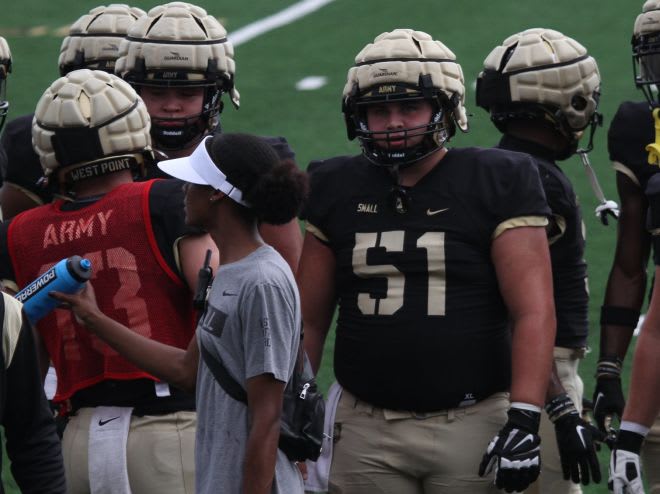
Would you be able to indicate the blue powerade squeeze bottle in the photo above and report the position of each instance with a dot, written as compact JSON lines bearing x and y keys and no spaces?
{"x":68,"y":276}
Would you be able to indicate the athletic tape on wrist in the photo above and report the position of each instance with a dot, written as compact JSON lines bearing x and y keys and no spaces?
{"x":635,"y":427}
{"x":559,"y":406}
{"x":609,"y":366}
{"x":525,"y":406}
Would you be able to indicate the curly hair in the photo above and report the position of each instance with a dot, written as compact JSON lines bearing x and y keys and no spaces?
{"x":274,"y":188}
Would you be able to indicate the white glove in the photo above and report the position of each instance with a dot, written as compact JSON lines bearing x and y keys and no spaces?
{"x":625,"y":473}
{"x":607,"y":208}
{"x":625,"y":469}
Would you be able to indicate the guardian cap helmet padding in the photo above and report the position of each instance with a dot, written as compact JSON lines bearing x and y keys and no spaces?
{"x":90,"y":123}
{"x":405,"y":65}
{"x":541,"y":74}
{"x":94,"y":39}
{"x":5,"y":69}
{"x":179,"y":44}
{"x":646,"y":50}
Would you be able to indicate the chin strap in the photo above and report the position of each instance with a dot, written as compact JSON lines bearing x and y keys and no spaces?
{"x":605,"y":207}
{"x":654,"y":147}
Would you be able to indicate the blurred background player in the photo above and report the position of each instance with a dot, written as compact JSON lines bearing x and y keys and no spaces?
{"x":5,"y":69}
{"x":538,"y":116}
{"x":426,"y":259}
{"x":32,"y":445}
{"x":179,"y":60}
{"x":92,"y":43}
{"x":631,"y":131}
{"x":91,"y":131}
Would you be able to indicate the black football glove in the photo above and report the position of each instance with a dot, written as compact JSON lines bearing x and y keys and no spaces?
{"x":625,"y":468}
{"x":515,"y":452}
{"x":576,"y":441}
{"x":608,"y":396}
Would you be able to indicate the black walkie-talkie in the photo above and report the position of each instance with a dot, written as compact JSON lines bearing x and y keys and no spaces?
{"x":204,"y":279}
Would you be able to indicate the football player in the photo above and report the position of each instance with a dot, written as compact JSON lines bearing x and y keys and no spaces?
{"x":92,"y":43}
{"x":179,"y":60}
{"x":643,"y":406}
{"x":518,"y":87}
{"x":427,"y":256}
{"x":91,"y":132}
{"x":631,"y":131}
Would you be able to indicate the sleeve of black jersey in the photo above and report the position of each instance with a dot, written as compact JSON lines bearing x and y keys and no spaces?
{"x":23,"y":165}
{"x":33,"y":447}
{"x":653,"y":218}
{"x":630,"y":132}
{"x":514,"y":189}
{"x":168,"y":217}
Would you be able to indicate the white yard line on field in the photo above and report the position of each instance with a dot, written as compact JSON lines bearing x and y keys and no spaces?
{"x":279,"y":19}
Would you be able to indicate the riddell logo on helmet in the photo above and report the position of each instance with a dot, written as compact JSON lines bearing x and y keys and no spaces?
{"x":383,"y":72}
{"x":176,"y":56}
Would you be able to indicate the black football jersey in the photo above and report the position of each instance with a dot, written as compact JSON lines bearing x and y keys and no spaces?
{"x":569,"y":268}
{"x":23,"y":166}
{"x":422,"y":325}
{"x":653,"y":219}
{"x":631,"y":130}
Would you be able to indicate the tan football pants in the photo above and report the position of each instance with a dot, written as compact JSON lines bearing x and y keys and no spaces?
{"x":551,"y":480}
{"x":380,"y":451}
{"x":160,"y":453}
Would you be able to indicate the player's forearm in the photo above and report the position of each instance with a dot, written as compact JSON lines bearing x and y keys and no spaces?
{"x":644,"y":399}
{"x":261,"y":456}
{"x":532,"y":345}
{"x":624,"y":297}
{"x":555,"y":387}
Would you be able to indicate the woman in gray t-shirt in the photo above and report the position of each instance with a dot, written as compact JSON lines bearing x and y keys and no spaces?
{"x":252,"y":319}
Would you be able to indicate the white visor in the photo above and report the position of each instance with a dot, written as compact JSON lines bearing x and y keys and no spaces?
{"x":199,"y":168}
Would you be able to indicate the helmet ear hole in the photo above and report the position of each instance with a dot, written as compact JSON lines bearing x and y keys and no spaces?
{"x":579,"y":102}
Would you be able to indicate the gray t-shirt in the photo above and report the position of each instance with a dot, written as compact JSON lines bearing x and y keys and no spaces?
{"x":252,"y":323}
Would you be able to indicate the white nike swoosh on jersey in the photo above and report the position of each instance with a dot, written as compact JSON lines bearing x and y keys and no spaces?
{"x":437,"y":211}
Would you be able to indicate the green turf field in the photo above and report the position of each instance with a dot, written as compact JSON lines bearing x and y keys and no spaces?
{"x":324,"y":44}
